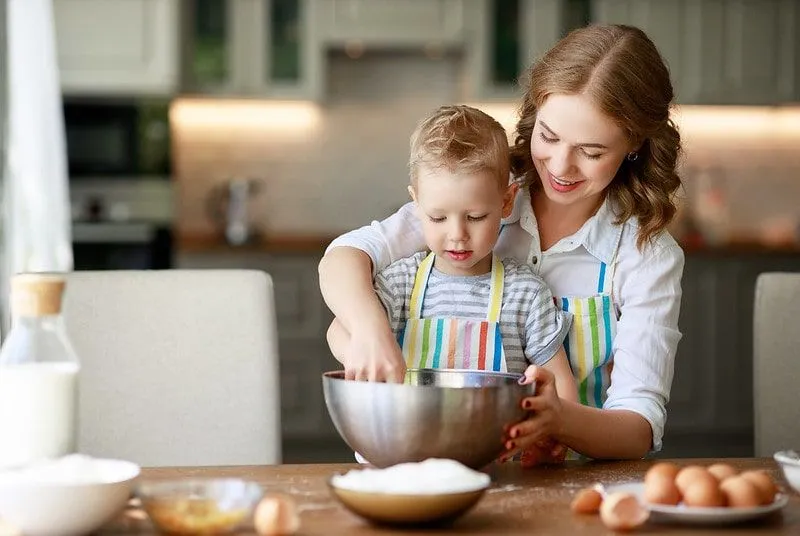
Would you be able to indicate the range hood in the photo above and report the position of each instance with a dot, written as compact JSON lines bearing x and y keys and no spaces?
{"x":430,"y":26}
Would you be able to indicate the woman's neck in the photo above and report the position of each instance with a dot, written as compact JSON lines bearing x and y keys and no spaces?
{"x":556,"y":221}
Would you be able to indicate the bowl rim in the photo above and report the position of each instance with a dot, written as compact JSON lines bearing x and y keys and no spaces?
{"x":339,"y":375}
{"x":787,"y":457}
{"x":334,"y":487}
{"x":156,"y":486}
{"x":129,"y":471}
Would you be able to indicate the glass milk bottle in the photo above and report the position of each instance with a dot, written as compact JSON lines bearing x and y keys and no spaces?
{"x":38,"y":375}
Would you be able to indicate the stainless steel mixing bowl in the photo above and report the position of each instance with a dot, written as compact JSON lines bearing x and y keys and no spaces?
{"x":456,"y":414}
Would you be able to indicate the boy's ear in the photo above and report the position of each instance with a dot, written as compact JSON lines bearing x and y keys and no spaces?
{"x":412,"y":193}
{"x":508,"y":199}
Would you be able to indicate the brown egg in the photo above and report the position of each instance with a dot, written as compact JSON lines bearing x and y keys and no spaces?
{"x":622,"y":511}
{"x":705,"y":492}
{"x":690,"y":474}
{"x":662,"y":470}
{"x":587,"y":501}
{"x":276,"y":515}
{"x":740,"y":492}
{"x":764,"y":483}
{"x":660,"y":488}
{"x":722,"y":471}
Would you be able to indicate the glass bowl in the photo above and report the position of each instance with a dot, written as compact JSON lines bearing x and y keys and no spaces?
{"x":789,"y":461}
{"x":199,"y":506}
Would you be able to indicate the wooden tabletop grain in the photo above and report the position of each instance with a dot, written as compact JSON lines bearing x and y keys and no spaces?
{"x":531,"y":501}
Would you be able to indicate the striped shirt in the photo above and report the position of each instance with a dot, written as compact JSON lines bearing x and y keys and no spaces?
{"x":532,"y":327}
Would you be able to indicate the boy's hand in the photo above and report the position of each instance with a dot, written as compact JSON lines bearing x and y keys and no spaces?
{"x":544,"y":422}
{"x":373,"y":355}
{"x":547,"y":451}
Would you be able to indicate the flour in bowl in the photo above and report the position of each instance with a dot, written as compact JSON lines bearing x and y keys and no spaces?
{"x":433,"y":476}
{"x":70,"y":470}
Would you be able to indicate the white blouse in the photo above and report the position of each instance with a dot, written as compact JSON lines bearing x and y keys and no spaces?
{"x":646,"y":289}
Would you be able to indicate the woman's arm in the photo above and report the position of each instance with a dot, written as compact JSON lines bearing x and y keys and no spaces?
{"x":647,"y":338}
{"x":345,"y":276}
{"x":632,"y":420}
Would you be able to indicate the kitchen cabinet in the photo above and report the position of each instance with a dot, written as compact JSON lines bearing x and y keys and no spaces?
{"x":392,"y":23}
{"x":507,"y":36}
{"x":711,"y":404}
{"x":110,"y":47}
{"x":303,"y":320}
{"x":720,"y":51}
{"x":260,"y":48}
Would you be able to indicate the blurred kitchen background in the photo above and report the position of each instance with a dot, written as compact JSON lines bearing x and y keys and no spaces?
{"x":248,"y":133}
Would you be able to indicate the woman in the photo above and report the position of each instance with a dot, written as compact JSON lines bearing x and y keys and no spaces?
{"x":596,"y":153}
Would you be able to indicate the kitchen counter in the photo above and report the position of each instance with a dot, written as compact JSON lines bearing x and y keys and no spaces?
{"x":533,"y":501}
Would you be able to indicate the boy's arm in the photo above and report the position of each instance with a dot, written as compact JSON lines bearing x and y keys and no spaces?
{"x":338,"y":339}
{"x":566,"y":386}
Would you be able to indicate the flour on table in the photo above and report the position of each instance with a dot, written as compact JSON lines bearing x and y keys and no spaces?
{"x":430,"y":477}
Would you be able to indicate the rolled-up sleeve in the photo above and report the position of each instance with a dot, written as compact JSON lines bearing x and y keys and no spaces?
{"x":647,"y":337}
{"x":388,"y":240}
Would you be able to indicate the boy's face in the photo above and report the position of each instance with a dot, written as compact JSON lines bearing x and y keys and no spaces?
{"x":460,"y":215}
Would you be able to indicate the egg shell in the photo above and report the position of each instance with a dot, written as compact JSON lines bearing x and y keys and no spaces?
{"x":690,"y":474}
{"x":660,"y":488}
{"x":622,"y":511}
{"x":276,"y":515}
{"x":764,"y":483}
{"x":704,"y":492}
{"x":722,"y":471}
{"x":740,"y":492}
{"x":587,"y":501}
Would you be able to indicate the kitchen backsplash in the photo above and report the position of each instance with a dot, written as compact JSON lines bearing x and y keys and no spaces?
{"x":328,"y":168}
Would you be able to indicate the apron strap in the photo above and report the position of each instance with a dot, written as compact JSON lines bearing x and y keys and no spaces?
{"x":605,"y":278}
{"x":420,"y":284}
{"x":496,"y":290}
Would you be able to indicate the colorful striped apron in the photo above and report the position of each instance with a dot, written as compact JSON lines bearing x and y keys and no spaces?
{"x":454,"y":343}
{"x":589,"y":342}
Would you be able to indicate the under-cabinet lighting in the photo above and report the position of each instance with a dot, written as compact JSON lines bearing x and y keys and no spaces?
{"x":261,"y":115}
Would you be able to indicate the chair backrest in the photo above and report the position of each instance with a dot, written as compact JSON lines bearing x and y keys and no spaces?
{"x":776,"y":362}
{"x":179,"y":367}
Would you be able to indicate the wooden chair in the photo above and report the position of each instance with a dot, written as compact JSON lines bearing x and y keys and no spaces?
{"x":179,"y":367}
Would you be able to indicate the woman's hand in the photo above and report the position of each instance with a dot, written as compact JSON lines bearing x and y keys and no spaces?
{"x":541,"y":431}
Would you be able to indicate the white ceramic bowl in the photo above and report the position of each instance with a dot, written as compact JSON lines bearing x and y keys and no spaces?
{"x":72,"y":496}
{"x":789,"y":461}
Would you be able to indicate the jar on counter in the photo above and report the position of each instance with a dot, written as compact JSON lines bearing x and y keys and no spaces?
{"x":710,"y":206}
{"x":38,"y":375}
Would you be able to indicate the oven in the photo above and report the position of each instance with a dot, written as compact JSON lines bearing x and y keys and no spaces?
{"x":121,"y":188}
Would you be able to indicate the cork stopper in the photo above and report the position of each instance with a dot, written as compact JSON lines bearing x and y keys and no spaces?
{"x":37,"y":294}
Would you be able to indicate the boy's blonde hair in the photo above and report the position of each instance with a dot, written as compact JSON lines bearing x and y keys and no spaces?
{"x":461,"y":139}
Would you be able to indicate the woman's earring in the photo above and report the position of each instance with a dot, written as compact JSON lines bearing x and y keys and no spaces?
{"x":632,"y":156}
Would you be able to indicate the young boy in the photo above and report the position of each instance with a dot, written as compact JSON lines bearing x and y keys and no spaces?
{"x":459,"y":306}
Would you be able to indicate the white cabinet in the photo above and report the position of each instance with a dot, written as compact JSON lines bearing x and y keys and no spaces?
{"x":392,"y":23}
{"x":504,"y":39}
{"x":720,"y":51}
{"x":117,"y":46}
{"x":261,"y":48}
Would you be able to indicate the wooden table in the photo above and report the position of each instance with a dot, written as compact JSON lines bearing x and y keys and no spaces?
{"x":533,"y":501}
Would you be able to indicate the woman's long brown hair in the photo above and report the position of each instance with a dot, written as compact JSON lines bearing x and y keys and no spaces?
{"x":622,"y":72}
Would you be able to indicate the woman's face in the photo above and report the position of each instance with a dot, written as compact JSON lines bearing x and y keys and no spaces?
{"x":576,"y":150}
